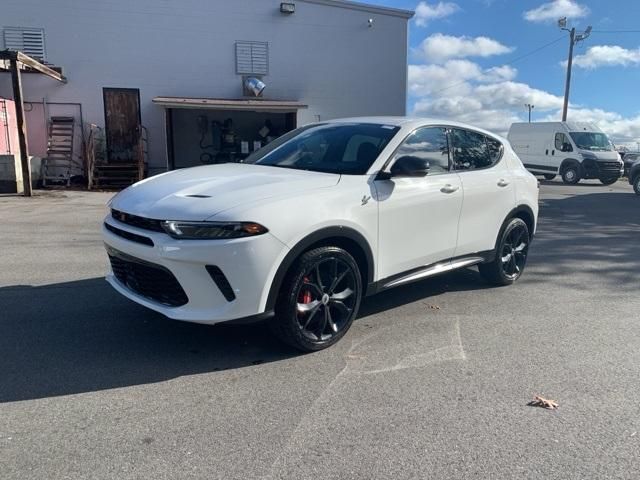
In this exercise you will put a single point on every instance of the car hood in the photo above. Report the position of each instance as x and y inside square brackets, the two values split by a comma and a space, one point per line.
[600, 155]
[198, 193]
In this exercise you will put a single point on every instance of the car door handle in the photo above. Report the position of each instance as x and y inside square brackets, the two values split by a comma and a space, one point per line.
[502, 183]
[448, 188]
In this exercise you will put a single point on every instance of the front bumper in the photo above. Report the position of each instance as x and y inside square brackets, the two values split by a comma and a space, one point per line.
[249, 265]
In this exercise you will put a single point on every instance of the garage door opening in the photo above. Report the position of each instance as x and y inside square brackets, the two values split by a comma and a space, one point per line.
[210, 131]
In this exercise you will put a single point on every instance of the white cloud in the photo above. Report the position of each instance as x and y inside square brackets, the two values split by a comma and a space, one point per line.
[606, 56]
[491, 98]
[556, 9]
[426, 12]
[439, 47]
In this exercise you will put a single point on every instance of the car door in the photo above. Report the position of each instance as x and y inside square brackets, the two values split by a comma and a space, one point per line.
[418, 216]
[489, 193]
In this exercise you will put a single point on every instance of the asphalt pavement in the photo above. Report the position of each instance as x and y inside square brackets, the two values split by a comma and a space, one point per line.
[432, 381]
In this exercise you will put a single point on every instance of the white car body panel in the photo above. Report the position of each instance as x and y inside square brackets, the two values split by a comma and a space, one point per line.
[405, 222]
[418, 221]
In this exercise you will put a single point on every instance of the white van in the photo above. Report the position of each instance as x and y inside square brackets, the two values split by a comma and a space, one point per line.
[575, 150]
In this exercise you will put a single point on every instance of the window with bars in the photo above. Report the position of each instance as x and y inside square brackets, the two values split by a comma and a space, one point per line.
[252, 58]
[29, 41]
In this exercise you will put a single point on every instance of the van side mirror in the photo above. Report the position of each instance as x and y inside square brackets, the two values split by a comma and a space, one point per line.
[566, 147]
[410, 166]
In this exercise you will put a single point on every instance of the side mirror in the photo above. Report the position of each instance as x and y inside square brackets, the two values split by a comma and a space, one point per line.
[410, 166]
[566, 147]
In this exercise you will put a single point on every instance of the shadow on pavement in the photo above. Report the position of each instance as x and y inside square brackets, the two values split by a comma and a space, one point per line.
[592, 233]
[83, 336]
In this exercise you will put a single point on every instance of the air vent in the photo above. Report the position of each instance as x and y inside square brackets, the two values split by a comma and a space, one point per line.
[252, 58]
[29, 41]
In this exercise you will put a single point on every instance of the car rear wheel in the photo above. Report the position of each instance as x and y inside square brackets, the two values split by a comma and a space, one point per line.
[608, 181]
[319, 299]
[571, 175]
[510, 256]
[549, 176]
[636, 185]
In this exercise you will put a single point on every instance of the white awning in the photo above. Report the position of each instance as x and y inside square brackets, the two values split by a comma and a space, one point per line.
[248, 105]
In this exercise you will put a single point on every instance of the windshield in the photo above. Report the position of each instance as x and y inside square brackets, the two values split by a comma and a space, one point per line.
[345, 148]
[592, 141]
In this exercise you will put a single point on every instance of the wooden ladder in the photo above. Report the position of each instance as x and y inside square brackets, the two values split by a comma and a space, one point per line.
[59, 162]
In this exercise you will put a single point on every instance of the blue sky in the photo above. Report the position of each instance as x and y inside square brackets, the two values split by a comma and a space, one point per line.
[461, 53]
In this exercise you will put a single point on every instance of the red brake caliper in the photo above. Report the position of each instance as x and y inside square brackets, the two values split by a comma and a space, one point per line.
[305, 295]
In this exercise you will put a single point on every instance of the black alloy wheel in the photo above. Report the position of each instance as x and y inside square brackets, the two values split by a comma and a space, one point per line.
[510, 255]
[514, 251]
[319, 300]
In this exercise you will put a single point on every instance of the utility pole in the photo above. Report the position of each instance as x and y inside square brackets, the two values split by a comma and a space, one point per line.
[573, 39]
[567, 85]
[530, 107]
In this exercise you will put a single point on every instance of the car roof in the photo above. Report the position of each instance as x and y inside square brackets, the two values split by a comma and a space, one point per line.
[413, 122]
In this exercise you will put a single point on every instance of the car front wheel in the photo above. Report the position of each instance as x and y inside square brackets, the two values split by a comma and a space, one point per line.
[571, 175]
[636, 185]
[319, 299]
[510, 255]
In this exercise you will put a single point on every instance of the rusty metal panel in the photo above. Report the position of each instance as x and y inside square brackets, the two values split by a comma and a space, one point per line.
[122, 124]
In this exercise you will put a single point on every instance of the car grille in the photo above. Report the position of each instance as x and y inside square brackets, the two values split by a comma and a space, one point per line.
[138, 222]
[147, 279]
[129, 236]
[610, 167]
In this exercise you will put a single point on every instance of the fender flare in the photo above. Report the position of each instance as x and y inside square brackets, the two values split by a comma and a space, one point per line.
[522, 208]
[338, 232]
[571, 161]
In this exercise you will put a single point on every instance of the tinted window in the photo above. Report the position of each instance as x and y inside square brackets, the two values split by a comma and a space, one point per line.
[345, 148]
[562, 143]
[472, 150]
[429, 143]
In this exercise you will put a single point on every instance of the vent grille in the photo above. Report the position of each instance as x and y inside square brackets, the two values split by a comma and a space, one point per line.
[252, 58]
[29, 41]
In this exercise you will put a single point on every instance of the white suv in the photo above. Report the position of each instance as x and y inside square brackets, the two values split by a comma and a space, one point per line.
[317, 219]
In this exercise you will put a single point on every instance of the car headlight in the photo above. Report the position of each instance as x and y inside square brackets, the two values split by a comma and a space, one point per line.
[212, 230]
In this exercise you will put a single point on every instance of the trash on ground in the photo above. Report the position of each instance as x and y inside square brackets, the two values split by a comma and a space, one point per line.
[539, 401]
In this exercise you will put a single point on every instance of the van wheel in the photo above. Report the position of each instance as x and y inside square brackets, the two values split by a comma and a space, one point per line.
[319, 299]
[636, 185]
[549, 176]
[510, 255]
[570, 175]
[608, 181]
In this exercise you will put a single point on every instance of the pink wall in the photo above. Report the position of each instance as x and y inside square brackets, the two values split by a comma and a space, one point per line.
[8, 128]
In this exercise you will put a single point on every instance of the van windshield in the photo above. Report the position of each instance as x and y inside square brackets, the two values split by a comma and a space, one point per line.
[592, 141]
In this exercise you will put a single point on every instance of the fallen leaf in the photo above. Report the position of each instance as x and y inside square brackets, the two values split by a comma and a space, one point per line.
[539, 401]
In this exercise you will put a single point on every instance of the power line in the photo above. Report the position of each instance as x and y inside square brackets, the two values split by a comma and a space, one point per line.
[616, 31]
[510, 62]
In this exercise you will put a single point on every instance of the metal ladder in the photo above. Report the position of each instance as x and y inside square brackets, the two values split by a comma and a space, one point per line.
[59, 162]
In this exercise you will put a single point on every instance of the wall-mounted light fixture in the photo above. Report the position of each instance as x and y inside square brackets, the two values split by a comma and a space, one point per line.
[253, 86]
[287, 7]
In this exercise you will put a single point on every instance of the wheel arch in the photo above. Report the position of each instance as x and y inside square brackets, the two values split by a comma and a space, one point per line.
[570, 161]
[524, 213]
[339, 236]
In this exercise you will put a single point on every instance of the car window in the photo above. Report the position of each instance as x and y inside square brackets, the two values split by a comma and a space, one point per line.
[562, 143]
[344, 148]
[429, 143]
[473, 151]
[359, 146]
